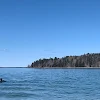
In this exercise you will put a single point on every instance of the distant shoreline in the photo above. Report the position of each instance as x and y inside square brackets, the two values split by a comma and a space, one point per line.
[65, 68]
[13, 67]
[56, 67]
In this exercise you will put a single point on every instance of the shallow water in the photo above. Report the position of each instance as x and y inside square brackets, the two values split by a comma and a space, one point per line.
[50, 84]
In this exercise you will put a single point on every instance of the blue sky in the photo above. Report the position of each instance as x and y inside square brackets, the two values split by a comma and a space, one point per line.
[33, 29]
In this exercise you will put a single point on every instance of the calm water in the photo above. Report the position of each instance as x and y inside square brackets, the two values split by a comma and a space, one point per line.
[50, 84]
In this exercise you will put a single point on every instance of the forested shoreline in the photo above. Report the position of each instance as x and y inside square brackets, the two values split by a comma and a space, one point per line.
[86, 60]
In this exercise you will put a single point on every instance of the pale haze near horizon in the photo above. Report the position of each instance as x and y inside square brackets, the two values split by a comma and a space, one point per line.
[34, 29]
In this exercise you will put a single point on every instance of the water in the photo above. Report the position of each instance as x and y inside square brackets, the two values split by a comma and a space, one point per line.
[50, 84]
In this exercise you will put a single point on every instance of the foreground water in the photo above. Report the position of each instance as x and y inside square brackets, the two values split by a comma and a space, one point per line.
[50, 84]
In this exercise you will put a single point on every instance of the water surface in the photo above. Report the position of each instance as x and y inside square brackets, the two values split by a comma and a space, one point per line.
[50, 84]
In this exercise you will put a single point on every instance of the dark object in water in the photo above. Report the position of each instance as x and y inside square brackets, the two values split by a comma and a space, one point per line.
[1, 80]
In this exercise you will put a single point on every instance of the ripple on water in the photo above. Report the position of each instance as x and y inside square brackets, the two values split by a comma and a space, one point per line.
[50, 84]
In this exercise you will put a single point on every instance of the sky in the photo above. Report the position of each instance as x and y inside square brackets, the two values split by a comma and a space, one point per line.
[34, 29]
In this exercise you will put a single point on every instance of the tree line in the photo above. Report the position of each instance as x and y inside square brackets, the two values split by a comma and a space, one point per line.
[86, 60]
